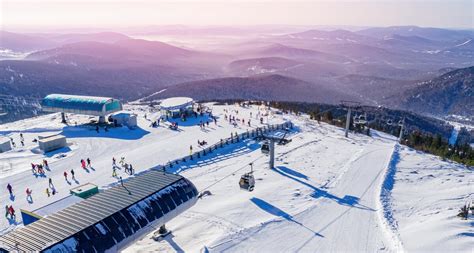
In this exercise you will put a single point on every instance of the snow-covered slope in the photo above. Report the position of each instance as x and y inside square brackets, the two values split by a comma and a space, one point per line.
[321, 196]
[324, 194]
[427, 195]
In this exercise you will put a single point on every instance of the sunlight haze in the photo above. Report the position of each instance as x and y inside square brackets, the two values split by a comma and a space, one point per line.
[60, 13]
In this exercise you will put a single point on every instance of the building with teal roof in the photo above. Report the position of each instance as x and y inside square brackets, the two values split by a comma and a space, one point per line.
[87, 105]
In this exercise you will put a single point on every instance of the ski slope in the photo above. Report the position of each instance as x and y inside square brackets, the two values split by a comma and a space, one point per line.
[327, 193]
[322, 196]
[426, 197]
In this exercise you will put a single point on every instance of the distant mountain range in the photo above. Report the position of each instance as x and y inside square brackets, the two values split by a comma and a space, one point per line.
[402, 67]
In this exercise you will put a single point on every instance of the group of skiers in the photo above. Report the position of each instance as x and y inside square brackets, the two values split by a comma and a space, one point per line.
[22, 141]
[51, 190]
[39, 168]
[128, 168]
[234, 121]
[84, 165]
[9, 210]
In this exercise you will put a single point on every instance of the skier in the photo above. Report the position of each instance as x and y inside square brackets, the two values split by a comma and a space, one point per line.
[6, 211]
[113, 162]
[51, 183]
[83, 164]
[40, 169]
[12, 212]
[47, 192]
[28, 195]
[10, 189]
[131, 170]
[72, 174]
[190, 149]
[249, 122]
[88, 162]
[126, 168]
[65, 176]
[45, 164]
[33, 168]
[21, 137]
[114, 171]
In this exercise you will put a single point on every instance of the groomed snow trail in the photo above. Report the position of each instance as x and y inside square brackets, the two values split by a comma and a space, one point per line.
[343, 219]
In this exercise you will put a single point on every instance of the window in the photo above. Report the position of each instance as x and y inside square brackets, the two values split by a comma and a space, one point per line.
[174, 195]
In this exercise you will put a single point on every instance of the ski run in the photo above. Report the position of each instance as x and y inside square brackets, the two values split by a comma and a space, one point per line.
[326, 193]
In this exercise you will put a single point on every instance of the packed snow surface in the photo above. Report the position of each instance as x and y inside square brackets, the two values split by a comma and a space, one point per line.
[327, 193]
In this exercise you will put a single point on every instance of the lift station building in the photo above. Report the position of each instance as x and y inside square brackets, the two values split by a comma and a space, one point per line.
[108, 220]
[87, 105]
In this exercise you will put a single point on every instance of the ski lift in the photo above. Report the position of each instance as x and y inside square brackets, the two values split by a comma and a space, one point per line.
[247, 180]
[265, 147]
[362, 119]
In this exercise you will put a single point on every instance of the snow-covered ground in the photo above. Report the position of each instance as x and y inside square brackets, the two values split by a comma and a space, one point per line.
[427, 196]
[327, 193]
[321, 196]
[144, 148]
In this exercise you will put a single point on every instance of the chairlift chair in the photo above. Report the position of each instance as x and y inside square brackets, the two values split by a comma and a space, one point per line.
[247, 180]
[362, 119]
[265, 148]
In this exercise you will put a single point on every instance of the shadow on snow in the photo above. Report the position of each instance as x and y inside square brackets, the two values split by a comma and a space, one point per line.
[347, 200]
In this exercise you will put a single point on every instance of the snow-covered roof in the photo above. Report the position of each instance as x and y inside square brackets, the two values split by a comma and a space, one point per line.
[67, 224]
[78, 104]
[123, 115]
[4, 139]
[176, 103]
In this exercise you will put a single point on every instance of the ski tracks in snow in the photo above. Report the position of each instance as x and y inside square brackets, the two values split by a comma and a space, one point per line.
[384, 205]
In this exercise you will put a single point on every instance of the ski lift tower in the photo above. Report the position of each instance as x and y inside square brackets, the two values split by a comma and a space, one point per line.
[401, 124]
[349, 105]
[271, 143]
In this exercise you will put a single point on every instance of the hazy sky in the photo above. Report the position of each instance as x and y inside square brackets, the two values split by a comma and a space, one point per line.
[74, 13]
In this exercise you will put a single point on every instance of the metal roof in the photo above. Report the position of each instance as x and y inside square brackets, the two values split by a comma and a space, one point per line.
[76, 102]
[61, 225]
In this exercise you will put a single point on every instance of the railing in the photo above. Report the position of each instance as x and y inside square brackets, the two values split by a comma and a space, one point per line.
[255, 133]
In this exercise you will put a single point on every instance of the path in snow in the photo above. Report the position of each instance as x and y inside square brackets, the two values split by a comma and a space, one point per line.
[344, 218]
[322, 196]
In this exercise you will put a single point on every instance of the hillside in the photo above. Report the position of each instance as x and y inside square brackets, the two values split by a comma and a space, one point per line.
[326, 192]
[451, 93]
[264, 87]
